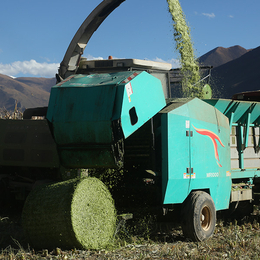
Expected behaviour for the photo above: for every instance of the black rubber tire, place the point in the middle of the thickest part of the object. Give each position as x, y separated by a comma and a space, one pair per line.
198, 216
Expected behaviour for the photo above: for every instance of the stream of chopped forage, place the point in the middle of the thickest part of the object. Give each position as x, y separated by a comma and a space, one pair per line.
184, 46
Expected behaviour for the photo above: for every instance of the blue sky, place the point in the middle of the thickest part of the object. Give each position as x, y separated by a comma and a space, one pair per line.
34, 35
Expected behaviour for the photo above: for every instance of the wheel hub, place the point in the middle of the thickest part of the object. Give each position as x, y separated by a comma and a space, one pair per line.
205, 217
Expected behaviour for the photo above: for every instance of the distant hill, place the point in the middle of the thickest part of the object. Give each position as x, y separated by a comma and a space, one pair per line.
28, 92
220, 55
238, 75
42, 83
235, 70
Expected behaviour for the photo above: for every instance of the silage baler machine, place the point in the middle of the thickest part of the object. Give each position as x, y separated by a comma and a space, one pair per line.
201, 156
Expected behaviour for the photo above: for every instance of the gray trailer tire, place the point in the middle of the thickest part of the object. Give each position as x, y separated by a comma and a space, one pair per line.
198, 216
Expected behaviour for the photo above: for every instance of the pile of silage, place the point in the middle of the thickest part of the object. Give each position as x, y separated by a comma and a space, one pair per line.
67, 174
77, 213
184, 45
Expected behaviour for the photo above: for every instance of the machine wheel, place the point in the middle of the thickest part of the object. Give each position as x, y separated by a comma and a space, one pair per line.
198, 216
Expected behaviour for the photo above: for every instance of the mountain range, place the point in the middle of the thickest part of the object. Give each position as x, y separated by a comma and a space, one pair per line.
27, 92
221, 55
235, 70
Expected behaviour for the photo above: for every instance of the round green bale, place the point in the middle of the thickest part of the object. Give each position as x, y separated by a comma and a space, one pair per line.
77, 213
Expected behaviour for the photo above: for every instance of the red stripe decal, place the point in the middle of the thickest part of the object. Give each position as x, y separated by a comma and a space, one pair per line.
213, 138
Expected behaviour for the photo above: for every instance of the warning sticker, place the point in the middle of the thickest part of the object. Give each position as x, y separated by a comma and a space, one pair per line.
129, 90
228, 173
131, 77
189, 176
186, 176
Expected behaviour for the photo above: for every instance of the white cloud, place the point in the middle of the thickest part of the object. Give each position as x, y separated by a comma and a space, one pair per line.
34, 68
31, 67
212, 15
231, 16
90, 57
175, 63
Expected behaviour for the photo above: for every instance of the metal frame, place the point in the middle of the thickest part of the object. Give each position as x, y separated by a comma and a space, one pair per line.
70, 62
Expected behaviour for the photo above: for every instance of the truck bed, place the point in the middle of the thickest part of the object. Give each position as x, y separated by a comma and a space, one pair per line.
27, 143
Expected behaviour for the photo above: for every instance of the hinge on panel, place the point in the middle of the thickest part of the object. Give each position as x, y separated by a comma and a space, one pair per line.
189, 170
189, 133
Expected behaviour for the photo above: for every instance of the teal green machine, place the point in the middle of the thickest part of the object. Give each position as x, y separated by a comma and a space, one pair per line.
92, 115
202, 155
195, 150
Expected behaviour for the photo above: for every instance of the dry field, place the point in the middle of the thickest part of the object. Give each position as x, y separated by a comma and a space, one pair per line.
231, 240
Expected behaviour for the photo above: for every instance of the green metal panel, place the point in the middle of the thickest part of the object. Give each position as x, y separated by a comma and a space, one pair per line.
239, 109
249, 173
256, 114
220, 104
197, 155
143, 96
175, 159
91, 114
80, 110
236, 110
75, 107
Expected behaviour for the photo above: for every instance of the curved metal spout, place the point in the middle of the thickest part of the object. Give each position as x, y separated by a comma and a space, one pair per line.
79, 42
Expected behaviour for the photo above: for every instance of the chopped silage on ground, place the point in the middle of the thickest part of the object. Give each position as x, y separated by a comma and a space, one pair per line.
77, 213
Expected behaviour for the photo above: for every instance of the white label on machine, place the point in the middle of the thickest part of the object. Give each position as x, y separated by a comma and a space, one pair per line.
189, 176
186, 176
212, 174
187, 124
129, 90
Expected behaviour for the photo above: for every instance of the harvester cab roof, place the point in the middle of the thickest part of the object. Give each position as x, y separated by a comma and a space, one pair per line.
159, 70
111, 65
